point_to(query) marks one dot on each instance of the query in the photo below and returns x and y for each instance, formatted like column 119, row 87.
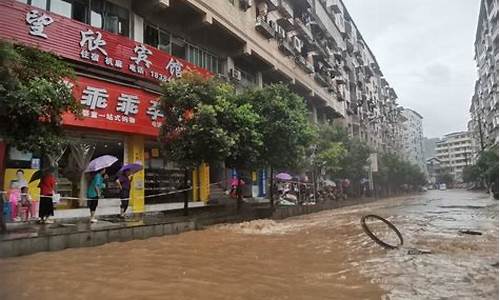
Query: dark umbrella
column 39, row 173
column 36, row 176
column 132, row 168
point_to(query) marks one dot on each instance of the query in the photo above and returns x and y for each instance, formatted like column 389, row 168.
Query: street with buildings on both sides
column 123, row 50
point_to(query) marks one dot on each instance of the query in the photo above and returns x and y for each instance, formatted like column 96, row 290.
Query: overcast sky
column 425, row 49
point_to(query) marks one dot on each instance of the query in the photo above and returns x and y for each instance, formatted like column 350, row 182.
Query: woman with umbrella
column 123, row 181
column 97, row 168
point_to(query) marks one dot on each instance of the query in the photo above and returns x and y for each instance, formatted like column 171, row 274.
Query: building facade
column 413, row 139
column 484, row 103
column 123, row 50
column 454, row 152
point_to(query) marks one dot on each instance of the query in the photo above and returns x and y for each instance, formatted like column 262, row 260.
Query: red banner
column 86, row 44
column 115, row 107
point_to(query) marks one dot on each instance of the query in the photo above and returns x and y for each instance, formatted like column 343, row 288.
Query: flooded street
column 319, row 256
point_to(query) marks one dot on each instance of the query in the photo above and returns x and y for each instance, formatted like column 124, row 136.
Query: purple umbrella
column 284, row 176
column 100, row 163
column 133, row 168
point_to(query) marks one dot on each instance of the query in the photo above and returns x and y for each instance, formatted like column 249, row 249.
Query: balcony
column 263, row 27
column 304, row 64
column 285, row 46
column 304, row 28
column 285, row 9
column 286, row 23
column 336, row 8
column 322, row 78
column 368, row 71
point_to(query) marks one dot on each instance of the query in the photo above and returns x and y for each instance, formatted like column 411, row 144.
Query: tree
column 471, row 173
column 34, row 95
column 286, row 131
column 445, row 177
column 207, row 122
column 330, row 149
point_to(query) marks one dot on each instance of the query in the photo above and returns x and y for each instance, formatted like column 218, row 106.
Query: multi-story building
column 122, row 50
column 454, row 152
column 413, row 139
column 433, row 169
column 484, row 104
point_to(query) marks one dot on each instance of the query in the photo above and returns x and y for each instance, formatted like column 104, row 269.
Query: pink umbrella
column 100, row 163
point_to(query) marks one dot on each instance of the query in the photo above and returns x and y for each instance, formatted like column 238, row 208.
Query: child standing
column 14, row 197
column 24, row 205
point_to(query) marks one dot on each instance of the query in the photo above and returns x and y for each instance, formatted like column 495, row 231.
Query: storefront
column 121, row 115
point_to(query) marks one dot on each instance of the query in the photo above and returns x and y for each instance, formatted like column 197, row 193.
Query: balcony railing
column 263, row 27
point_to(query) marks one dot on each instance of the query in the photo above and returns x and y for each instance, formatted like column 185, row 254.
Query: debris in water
column 415, row 251
column 471, row 232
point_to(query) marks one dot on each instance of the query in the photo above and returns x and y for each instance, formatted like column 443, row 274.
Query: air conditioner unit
column 235, row 74
column 297, row 44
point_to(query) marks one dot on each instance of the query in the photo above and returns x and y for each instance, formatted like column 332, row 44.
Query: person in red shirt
column 47, row 189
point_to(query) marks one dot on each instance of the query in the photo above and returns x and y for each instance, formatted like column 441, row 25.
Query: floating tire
column 375, row 238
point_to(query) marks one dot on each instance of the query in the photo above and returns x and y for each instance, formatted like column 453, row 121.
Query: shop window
column 161, row 177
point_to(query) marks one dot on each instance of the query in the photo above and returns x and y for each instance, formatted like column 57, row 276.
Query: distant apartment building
column 433, row 169
column 454, row 152
column 413, row 139
column 484, row 104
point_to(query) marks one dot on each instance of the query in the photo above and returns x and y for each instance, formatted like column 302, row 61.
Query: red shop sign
column 115, row 107
column 83, row 43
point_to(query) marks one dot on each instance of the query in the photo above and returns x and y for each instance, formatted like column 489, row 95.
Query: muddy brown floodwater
column 324, row 255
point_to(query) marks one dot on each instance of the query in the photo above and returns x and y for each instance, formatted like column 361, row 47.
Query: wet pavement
column 324, row 255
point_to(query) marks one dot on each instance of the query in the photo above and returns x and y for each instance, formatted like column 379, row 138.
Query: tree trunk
column 271, row 189
column 186, row 193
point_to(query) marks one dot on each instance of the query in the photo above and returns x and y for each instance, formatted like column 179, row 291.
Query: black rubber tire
column 375, row 238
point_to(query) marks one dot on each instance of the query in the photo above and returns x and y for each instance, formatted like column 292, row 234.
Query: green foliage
column 471, row 173
column 394, row 171
column 445, row 177
column 206, row 122
column 33, row 97
column 488, row 165
column 331, row 149
column 287, row 134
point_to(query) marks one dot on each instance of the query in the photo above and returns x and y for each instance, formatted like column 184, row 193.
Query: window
column 74, row 9
column 157, row 38
column 202, row 58
column 39, row 3
column 98, row 13
column 109, row 17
